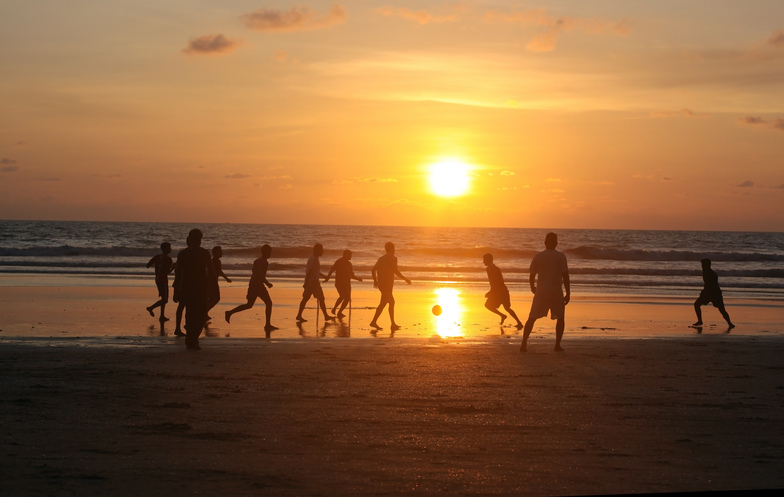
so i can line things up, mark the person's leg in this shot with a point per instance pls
(514, 315)
(337, 303)
(268, 313)
(495, 310)
(302, 309)
(392, 312)
(726, 316)
(195, 318)
(163, 311)
(382, 303)
(178, 319)
(343, 307)
(152, 307)
(559, 331)
(323, 304)
(240, 308)
(529, 326)
(698, 311)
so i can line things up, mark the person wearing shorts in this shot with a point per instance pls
(710, 294)
(163, 266)
(549, 277)
(257, 289)
(384, 279)
(344, 273)
(312, 284)
(499, 293)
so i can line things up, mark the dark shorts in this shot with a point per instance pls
(313, 291)
(710, 298)
(497, 299)
(163, 290)
(542, 304)
(344, 290)
(258, 293)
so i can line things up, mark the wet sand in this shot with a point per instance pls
(308, 416)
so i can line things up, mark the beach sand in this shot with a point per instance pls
(94, 401)
(143, 416)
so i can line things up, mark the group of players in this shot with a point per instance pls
(196, 287)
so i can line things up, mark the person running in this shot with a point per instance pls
(344, 273)
(384, 279)
(194, 282)
(312, 284)
(163, 266)
(499, 293)
(710, 294)
(553, 277)
(217, 253)
(257, 288)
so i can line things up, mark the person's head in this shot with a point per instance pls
(551, 240)
(347, 254)
(166, 247)
(194, 238)
(706, 263)
(487, 259)
(318, 249)
(266, 251)
(390, 248)
(217, 251)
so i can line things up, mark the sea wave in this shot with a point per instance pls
(604, 253)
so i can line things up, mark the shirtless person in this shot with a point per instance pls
(344, 273)
(257, 288)
(499, 293)
(553, 277)
(384, 279)
(710, 294)
(163, 266)
(194, 282)
(312, 284)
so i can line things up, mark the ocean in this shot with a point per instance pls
(618, 262)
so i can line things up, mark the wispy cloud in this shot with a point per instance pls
(294, 19)
(546, 42)
(210, 45)
(423, 16)
(507, 173)
(237, 176)
(777, 124)
(776, 40)
(363, 180)
(678, 113)
(751, 120)
(8, 165)
(745, 184)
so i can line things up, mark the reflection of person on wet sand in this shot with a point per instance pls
(499, 293)
(384, 279)
(217, 253)
(553, 277)
(313, 284)
(163, 266)
(257, 288)
(194, 281)
(344, 273)
(710, 294)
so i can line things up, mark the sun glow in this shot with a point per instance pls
(448, 323)
(449, 178)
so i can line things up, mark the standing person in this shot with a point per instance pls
(313, 284)
(384, 279)
(163, 266)
(499, 293)
(217, 253)
(257, 288)
(710, 294)
(194, 282)
(553, 277)
(344, 273)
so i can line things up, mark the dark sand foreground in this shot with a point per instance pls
(375, 417)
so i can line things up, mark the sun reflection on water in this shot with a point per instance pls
(448, 323)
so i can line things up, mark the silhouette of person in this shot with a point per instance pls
(553, 277)
(194, 283)
(499, 293)
(344, 273)
(384, 279)
(257, 288)
(163, 266)
(710, 294)
(178, 316)
(312, 284)
(217, 253)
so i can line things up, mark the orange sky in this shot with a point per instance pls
(601, 114)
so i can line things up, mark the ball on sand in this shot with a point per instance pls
(437, 310)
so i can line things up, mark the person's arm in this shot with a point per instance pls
(374, 273)
(152, 261)
(532, 281)
(354, 276)
(223, 275)
(264, 279)
(331, 270)
(397, 272)
(567, 297)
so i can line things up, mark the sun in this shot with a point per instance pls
(449, 178)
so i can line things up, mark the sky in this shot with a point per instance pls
(614, 114)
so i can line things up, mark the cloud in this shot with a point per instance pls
(745, 184)
(751, 120)
(364, 180)
(507, 173)
(237, 176)
(8, 165)
(8, 169)
(7, 162)
(50, 179)
(778, 124)
(420, 16)
(294, 19)
(780, 187)
(546, 42)
(677, 113)
(776, 40)
(19, 143)
(210, 45)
